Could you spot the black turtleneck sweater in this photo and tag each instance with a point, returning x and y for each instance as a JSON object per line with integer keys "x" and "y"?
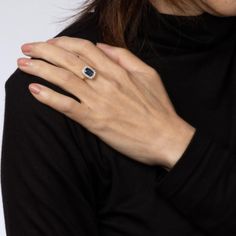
{"x": 58, "y": 179}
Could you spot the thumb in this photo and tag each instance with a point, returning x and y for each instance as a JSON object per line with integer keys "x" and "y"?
{"x": 123, "y": 57}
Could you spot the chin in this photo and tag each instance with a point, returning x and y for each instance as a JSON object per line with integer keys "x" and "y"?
{"x": 224, "y": 13}
{"x": 220, "y": 7}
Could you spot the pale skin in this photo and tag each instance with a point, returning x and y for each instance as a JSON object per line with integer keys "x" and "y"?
{"x": 196, "y": 7}
{"x": 126, "y": 105}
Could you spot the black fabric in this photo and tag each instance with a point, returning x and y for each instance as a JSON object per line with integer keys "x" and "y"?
{"x": 60, "y": 179}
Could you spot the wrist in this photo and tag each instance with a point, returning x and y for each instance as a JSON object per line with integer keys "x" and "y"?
{"x": 177, "y": 142}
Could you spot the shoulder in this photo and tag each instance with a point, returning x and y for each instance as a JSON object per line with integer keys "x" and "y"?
{"x": 23, "y": 112}
{"x": 17, "y": 94}
{"x": 86, "y": 28}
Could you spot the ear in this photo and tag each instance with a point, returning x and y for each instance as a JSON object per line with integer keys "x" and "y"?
{"x": 123, "y": 57}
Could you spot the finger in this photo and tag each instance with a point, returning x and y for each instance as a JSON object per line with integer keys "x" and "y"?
{"x": 88, "y": 51}
{"x": 55, "y": 55}
{"x": 58, "y": 76}
{"x": 78, "y": 112}
{"x": 123, "y": 57}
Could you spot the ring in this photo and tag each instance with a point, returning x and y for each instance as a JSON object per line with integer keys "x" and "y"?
{"x": 89, "y": 72}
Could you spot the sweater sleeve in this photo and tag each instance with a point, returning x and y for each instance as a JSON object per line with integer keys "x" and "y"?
{"x": 46, "y": 185}
{"x": 202, "y": 185}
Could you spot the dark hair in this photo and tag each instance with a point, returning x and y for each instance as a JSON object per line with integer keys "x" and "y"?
{"x": 118, "y": 20}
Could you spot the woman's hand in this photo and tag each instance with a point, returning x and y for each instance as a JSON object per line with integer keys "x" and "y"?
{"x": 126, "y": 105}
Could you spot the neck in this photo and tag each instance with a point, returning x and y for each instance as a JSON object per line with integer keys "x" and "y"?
{"x": 188, "y": 8}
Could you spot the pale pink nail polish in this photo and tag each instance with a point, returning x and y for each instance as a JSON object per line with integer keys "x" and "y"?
{"x": 24, "y": 62}
{"x": 35, "y": 88}
{"x": 26, "y": 48}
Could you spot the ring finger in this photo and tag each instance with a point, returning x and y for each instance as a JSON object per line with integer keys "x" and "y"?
{"x": 57, "y": 56}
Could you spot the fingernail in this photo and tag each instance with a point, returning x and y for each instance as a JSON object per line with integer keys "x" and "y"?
{"x": 26, "y": 48}
{"x": 35, "y": 88}
{"x": 24, "y": 62}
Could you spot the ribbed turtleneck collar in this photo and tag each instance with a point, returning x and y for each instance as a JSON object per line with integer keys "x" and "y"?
{"x": 185, "y": 33}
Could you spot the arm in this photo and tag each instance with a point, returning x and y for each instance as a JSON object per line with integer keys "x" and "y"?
{"x": 202, "y": 185}
{"x": 46, "y": 184}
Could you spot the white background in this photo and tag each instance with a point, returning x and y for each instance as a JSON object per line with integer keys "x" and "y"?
{"x": 21, "y": 22}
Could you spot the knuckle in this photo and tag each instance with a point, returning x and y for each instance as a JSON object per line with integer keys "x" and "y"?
{"x": 64, "y": 37}
{"x": 48, "y": 99}
{"x": 86, "y": 43}
{"x": 39, "y": 65}
{"x": 152, "y": 71}
{"x": 38, "y": 47}
{"x": 122, "y": 51}
{"x": 61, "y": 40}
{"x": 67, "y": 106}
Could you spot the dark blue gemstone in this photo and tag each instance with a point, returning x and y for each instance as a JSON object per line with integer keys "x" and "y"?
{"x": 89, "y": 72}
